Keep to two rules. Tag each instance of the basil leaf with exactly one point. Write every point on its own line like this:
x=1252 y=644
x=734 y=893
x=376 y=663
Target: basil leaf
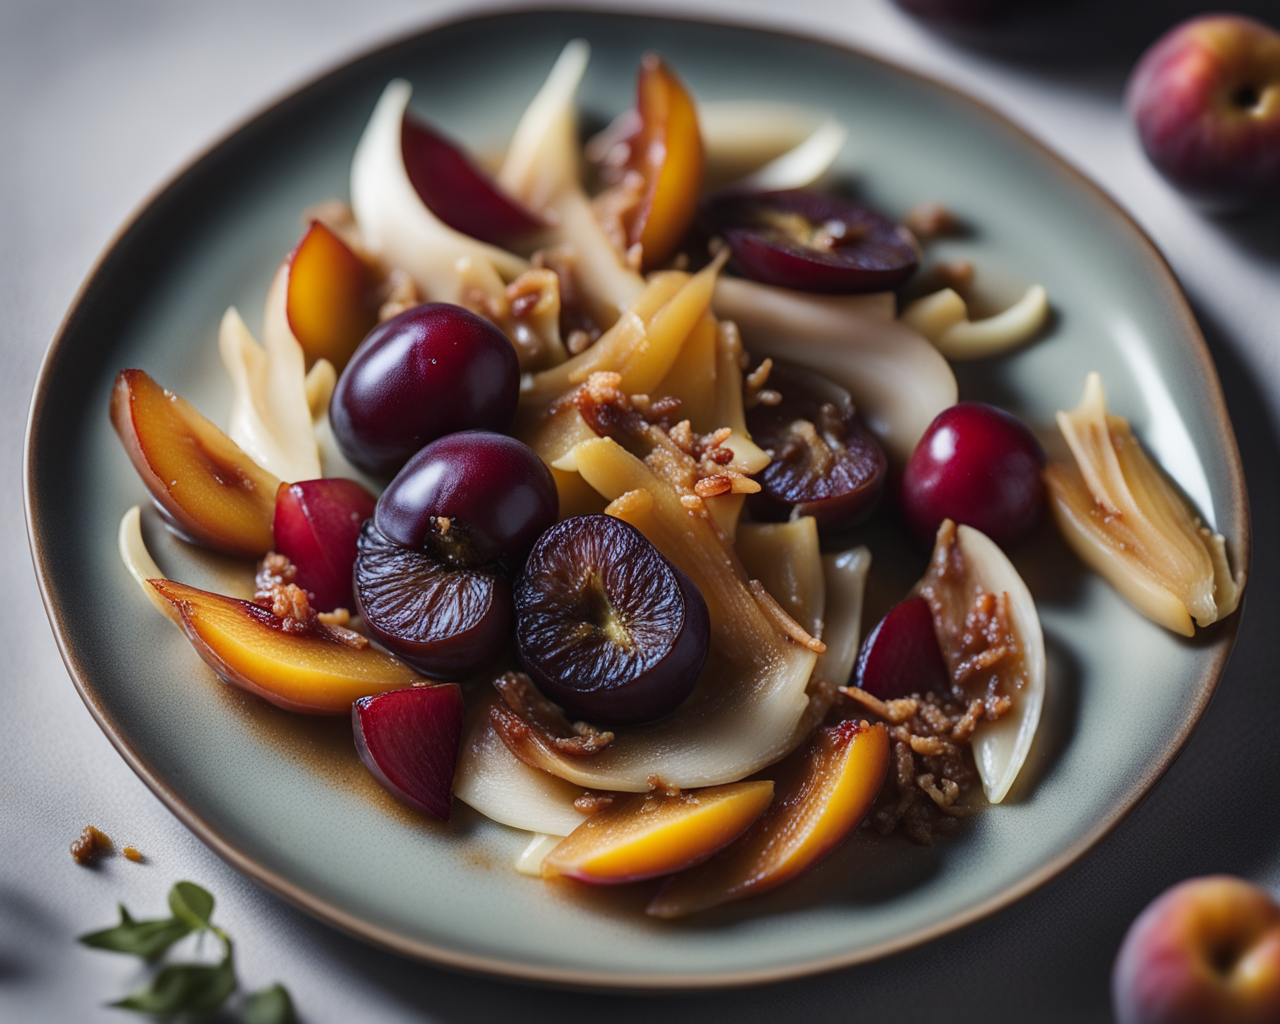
x=191 y=904
x=147 y=939
x=270 y=1006
x=185 y=988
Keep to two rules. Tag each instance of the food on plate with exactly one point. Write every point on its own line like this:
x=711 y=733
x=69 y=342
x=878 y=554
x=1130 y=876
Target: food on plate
x=316 y=524
x=408 y=739
x=1206 y=950
x=332 y=296
x=823 y=462
x=593 y=602
x=1206 y=102
x=432 y=370
x=1130 y=524
x=206 y=488
x=901 y=656
x=606 y=626
x=811 y=242
x=977 y=465
x=943 y=318
x=823 y=793
x=280 y=649
x=648 y=835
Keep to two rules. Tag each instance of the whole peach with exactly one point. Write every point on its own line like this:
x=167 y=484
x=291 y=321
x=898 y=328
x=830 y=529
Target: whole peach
x=1206 y=101
x=1204 y=951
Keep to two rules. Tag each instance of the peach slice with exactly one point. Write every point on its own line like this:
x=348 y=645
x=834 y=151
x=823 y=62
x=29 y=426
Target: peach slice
x=644 y=835
x=312 y=672
x=331 y=302
x=667 y=152
x=208 y=490
x=824 y=791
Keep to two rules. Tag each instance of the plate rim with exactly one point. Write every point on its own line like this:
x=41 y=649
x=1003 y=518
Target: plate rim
x=494 y=966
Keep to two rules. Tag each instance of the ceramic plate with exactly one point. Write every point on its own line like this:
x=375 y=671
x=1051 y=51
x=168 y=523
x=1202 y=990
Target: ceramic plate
x=285 y=799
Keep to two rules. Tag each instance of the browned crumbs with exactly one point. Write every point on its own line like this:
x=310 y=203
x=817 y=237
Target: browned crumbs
x=131 y=853
x=929 y=220
x=277 y=592
x=91 y=845
x=535 y=713
x=593 y=800
x=931 y=762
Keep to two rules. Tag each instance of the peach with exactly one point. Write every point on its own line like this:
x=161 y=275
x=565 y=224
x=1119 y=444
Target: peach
x=332 y=300
x=207 y=489
x=644 y=835
x=1206 y=102
x=824 y=791
x=1207 y=950
x=314 y=671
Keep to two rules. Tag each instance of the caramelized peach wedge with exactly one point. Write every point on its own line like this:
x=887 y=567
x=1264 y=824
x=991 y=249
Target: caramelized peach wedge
x=332 y=301
x=207 y=489
x=283 y=653
x=824 y=792
x=645 y=835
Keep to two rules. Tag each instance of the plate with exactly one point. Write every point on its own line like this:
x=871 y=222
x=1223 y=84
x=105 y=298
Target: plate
x=284 y=798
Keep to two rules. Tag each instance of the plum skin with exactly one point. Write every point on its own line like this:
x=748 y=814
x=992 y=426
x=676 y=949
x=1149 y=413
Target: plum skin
x=588 y=578
x=979 y=466
x=433 y=370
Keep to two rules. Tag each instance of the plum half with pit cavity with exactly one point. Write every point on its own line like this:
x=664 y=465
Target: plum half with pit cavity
x=606 y=626
x=825 y=463
x=445 y=620
x=811 y=242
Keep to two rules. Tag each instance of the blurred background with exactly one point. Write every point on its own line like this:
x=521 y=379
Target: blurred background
x=102 y=100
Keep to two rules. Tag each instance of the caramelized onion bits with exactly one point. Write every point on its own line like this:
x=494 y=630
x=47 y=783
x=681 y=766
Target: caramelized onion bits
x=822 y=792
x=446 y=620
x=532 y=727
x=645 y=835
x=1129 y=523
x=824 y=462
x=608 y=627
x=989 y=632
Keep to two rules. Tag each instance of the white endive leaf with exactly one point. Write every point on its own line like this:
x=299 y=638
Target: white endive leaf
x=394 y=222
x=845 y=574
x=943 y=318
x=270 y=414
x=801 y=166
x=142 y=567
x=500 y=786
x=541 y=170
x=1001 y=747
x=898 y=380
x=530 y=860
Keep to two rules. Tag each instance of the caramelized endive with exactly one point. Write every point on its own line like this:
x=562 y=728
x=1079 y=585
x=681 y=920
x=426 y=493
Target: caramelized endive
x=1129 y=523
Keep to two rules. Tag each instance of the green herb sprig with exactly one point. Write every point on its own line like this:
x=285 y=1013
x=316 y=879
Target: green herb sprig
x=186 y=987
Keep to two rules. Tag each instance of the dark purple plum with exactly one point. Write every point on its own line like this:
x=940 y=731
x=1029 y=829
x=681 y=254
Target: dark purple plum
x=457 y=191
x=901 y=655
x=811 y=242
x=979 y=466
x=316 y=525
x=432 y=370
x=606 y=626
x=409 y=740
x=825 y=463
x=445 y=621
x=473 y=497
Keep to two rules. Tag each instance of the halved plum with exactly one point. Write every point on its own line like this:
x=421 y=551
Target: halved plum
x=607 y=627
x=316 y=525
x=445 y=620
x=458 y=192
x=811 y=242
x=316 y=671
x=206 y=488
x=409 y=740
x=825 y=463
